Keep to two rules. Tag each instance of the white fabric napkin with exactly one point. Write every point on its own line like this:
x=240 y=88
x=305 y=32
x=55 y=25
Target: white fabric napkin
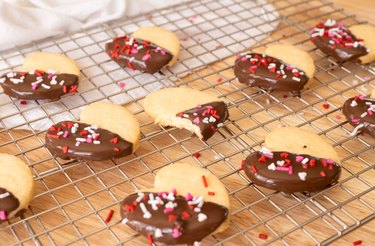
x=22 y=21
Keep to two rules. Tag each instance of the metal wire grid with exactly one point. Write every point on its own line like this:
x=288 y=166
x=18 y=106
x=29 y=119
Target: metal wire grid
x=93 y=188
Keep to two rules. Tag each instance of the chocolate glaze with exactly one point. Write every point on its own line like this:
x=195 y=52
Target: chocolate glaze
x=138 y=54
x=319 y=176
x=8 y=203
x=208 y=117
x=179 y=226
x=270 y=73
x=62 y=138
x=360 y=113
x=337 y=41
x=38 y=85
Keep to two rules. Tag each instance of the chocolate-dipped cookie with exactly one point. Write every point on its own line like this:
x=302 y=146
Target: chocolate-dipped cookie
x=360 y=113
x=105 y=131
x=288 y=172
x=16 y=187
x=77 y=140
x=148 y=50
x=170 y=218
x=270 y=73
x=336 y=40
x=38 y=84
x=196 y=111
x=186 y=214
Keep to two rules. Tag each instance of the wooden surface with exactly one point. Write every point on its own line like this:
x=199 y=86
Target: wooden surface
x=364 y=9
x=80 y=175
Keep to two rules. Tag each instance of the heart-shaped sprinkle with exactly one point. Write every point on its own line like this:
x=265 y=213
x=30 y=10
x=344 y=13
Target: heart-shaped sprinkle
x=158 y=233
x=353 y=103
x=202 y=217
x=280 y=163
x=302 y=175
x=272 y=167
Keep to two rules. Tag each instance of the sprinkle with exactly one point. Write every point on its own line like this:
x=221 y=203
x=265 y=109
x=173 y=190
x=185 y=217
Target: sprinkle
x=114 y=140
x=280 y=163
x=358 y=242
x=176 y=233
x=189 y=197
x=121 y=84
x=302 y=176
x=326 y=106
x=172 y=217
x=202 y=217
x=65 y=149
x=4 y=195
x=150 y=240
x=23 y=102
x=158 y=233
x=285 y=169
x=185 y=215
x=296 y=79
x=3 y=215
x=353 y=103
x=204 y=181
x=219 y=79
x=304 y=161
x=211 y=193
x=271 y=167
x=117 y=149
x=46 y=86
x=338 y=117
x=197 y=155
x=131 y=66
x=109 y=216
x=290 y=171
x=253 y=168
x=299 y=158
x=323 y=173
x=124 y=221
x=263 y=236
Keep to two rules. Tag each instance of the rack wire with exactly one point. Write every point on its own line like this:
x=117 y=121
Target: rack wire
x=74 y=197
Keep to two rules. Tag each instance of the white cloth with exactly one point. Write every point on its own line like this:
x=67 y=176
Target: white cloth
x=22 y=21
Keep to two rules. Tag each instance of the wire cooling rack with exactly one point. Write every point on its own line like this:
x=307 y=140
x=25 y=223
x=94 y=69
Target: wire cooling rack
x=73 y=197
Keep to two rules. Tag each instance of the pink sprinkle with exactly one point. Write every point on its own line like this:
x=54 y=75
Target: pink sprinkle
x=168 y=210
x=338 y=117
x=189 y=197
x=193 y=17
x=196 y=120
x=146 y=57
x=253 y=67
x=50 y=76
x=88 y=140
x=299 y=158
x=199 y=106
x=329 y=161
x=244 y=58
x=355 y=121
x=370 y=112
x=34 y=86
x=290 y=171
x=121 y=84
x=268 y=155
x=184 y=39
x=66 y=134
x=174 y=191
x=289 y=68
x=362 y=97
x=134 y=51
x=286 y=169
x=163 y=52
x=219 y=79
x=176 y=233
x=3 y=216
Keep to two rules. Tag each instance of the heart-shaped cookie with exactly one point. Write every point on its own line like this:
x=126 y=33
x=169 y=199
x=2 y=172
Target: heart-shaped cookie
x=184 y=214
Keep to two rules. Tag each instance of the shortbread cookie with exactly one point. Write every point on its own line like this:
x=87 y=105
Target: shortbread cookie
x=196 y=111
x=280 y=68
x=360 y=113
x=184 y=214
x=105 y=131
x=148 y=50
x=299 y=141
x=16 y=187
x=44 y=76
x=336 y=40
x=367 y=33
x=290 y=172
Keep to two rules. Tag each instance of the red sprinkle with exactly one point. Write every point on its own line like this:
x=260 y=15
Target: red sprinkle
x=254 y=168
x=52 y=128
x=323 y=173
x=285 y=96
x=284 y=155
x=326 y=105
x=109 y=216
x=53 y=136
x=172 y=217
x=358 y=242
x=211 y=193
x=129 y=208
x=65 y=149
x=117 y=149
x=114 y=140
x=131 y=66
x=150 y=240
x=262 y=159
x=219 y=79
x=197 y=155
x=185 y=215
x=23 y=102
x=204 y=181
x=263 y=236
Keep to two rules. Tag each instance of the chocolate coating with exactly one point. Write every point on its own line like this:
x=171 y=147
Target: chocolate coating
x=94 y=144
x=179 y=226
x=337 y=41
x=360 y=113
x=8 y=202
x=38 y=85
x=270 y=73
x=138 y=54
x=289 y=174
x=208 y=117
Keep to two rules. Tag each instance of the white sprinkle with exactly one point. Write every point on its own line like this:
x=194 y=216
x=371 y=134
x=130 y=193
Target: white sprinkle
x=205 y=120
x=170 y=204
x=81 y=139
x=185 y=115
x=197 y=210
x=170 y=196
x=212 y=119
x=140 y=196
x=60 y=133
x=74 y=129
x=10 y=75
x=302 y=176
x=220 y=125
x=202 y=217
x=354 y=132
x=62 y=82
x=196 y=243
x=53 y=81
x=96 y=142
x=296 y=79
x=304 y=161
x=353 y=103
x=146 y=213
x=330 y=22
x=124 y=221
x=2 y=80
x=78 y=144
x=272 y=167
x=95 y=127
x=363 y=115
x=158 y=233
x=46 y=86
x=284 y=76
x=4 y=195
x=16 y=81
x=131 y=59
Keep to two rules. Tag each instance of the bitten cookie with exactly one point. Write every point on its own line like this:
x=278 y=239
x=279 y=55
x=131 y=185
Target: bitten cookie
x=196 y=111
x=105 y=131
x=175 y=211
x=281 y=68
x=44 y=76
x=342 y=43
x=16 y=187
x=360 y=113
x=148 y=50
x=294 y=160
